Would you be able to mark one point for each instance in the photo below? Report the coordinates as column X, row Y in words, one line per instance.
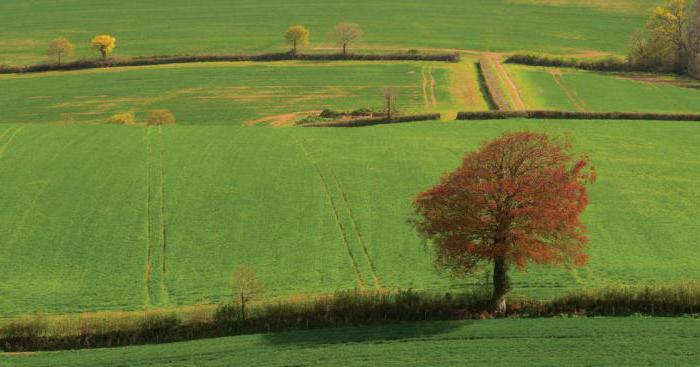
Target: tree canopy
column 517, row 200
column 297, row 36
column 105, row 44
column 346, row 34
column 60, row 49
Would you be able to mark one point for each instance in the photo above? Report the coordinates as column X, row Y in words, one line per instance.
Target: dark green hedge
column 495, row 115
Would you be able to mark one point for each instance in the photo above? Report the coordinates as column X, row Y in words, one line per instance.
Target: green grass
column 221, row 26
column 221, row 93
column 274, row 198
column 532, row 342
column 573, row 90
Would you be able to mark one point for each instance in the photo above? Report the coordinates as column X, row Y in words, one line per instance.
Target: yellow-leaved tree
column 297, row 36
column 60, row 50
column 668, row 27
column 105, row 44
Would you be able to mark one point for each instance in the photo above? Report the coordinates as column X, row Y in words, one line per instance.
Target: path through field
column 570, row 92
column 504, row 91
column 156, row 220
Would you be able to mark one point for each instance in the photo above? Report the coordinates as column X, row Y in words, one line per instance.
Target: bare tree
column 246, row 287
column 346, row 34
column 60, row 49
column 390, row 96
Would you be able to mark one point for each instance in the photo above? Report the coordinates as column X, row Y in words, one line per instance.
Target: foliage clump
column 122, row 119
column 105, row 44
column 161, row 117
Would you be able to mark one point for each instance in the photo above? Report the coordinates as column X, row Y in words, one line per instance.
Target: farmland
column 245, row 195
column 219, row 26
column 628, row 341
column 101, row 221
column 573, row 90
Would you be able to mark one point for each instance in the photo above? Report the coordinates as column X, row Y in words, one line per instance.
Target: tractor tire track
column 12, row 137
column 163, row 221
column 571, row 94
column 426, row 103
column 148, row 224
column 334, row 209
column 433, row 98
column 363, row 244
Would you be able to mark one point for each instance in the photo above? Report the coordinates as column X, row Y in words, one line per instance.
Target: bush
column 122, row 119
column 161, row 117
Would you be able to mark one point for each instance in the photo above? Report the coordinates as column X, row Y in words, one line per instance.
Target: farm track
column 503, row 89
column 12, row 136
column 571, row 94
column 156, row 225
column 336, row 214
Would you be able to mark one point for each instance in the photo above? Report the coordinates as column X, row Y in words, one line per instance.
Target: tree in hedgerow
column 60, row 50
column 346, row 34
column 391, row 94
column 297, row 36
column 246, row 287
column 516, row 200
column 105, row 44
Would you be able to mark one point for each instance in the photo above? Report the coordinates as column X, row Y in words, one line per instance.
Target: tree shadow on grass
column 361, row 334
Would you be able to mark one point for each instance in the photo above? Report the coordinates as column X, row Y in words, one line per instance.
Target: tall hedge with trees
column 517, row 200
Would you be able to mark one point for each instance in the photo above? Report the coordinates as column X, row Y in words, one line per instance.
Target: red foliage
column 518, row 198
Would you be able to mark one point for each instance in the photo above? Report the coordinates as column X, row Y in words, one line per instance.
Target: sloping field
column 574, row 90
column 234, row 93
column 538, row 342
column 312, row 210
column 160, row 27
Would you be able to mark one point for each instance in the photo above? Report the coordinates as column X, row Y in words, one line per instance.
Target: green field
column 219, row 26
column 313, row 210
column 548, row 342
column 572, row 90
column 232, row 93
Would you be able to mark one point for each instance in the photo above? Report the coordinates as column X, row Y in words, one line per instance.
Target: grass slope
column 226, row 93
column 532, row 342
column 572, row 90
column 312, row 210
column 221, row 26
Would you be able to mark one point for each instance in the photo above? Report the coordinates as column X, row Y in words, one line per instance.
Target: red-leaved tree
column 515, row 201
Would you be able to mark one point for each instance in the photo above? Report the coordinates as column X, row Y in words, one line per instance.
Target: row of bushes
column 374, row 121
column 161, row 60
column 350, row 309
column 607, row 64
column 495, row 115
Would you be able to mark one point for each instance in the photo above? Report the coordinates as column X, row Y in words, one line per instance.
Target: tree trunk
column 242, row 307
column 500, row 285
column 345, row 49
column 294, row 51
column 104, row 54
column 59, row 58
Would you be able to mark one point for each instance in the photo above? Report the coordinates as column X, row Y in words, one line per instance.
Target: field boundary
column 500, row 86
column 286, row 56
column 573, row 115
column 362, row 122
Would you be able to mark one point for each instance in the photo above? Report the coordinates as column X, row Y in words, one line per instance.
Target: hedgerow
column 494, row 115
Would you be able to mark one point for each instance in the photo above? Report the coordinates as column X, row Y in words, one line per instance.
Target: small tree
column 515, row 201
column 161, row 117
column 346, row 34
column 122, row 119
column 390, row 96
column 60, row 49
column 297, row 36
column 105, row 44
column 246, row 287
column 668, row 27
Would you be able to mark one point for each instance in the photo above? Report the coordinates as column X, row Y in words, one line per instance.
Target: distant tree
column 122, row 119
column 60, row 50
column 390, row 96
column 668, row 27
column 105, row 44
column 346, row 34
column 517, row 200
column 161, row 117
column 694, row 32
column 297, row 36
column 246, row 287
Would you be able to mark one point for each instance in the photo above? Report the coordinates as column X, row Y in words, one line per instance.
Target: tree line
column 343, row 34
column 670, row 40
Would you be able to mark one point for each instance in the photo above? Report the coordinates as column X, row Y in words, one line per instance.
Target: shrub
column 122, row 119
column 161, row 117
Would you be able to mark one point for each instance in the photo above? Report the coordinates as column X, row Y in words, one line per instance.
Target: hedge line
column 374, row 121
column 608, row 64
column 162, row 60
column 495, row 115
column 350, row 309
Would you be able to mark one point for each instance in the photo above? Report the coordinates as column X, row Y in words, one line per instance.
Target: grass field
column 235, row 93
column 573, row 90
column 313, row 210
column 544, row 342
column 220, row 26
